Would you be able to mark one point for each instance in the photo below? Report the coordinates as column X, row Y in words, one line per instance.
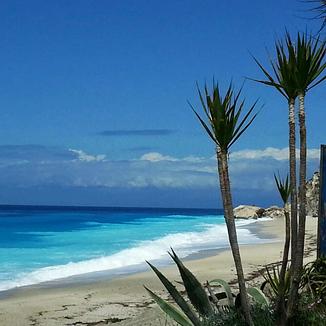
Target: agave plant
column 202, row 305
column 225, row 124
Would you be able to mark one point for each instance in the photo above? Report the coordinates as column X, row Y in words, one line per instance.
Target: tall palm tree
column 283, row 80
column 298, row 67
column 309, row 56
column 225, row 126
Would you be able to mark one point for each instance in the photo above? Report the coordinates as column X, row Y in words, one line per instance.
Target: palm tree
column 225, row 126
column 297, row 70
column 284, row 82
column 284, row 191
column 309, row 55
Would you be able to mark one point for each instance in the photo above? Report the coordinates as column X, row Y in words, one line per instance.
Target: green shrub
column 261, row 316
column 310, row 312
column 313, row 279
column 204, row 306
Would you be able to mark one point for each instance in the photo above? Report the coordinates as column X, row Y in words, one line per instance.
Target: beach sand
column 123, row 301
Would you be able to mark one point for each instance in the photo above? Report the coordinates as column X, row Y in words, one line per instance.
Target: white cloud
column 157, row 157
column 279, row 154
column 82, row 156
column 249, row 169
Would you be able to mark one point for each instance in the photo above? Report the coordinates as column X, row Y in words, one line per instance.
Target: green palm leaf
column 310, row 55
column 283, row 187
column 224, row 122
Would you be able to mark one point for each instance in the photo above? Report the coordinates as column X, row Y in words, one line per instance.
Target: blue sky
column 94, row 97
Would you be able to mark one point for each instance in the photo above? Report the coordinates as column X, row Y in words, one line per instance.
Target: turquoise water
column 39, row 244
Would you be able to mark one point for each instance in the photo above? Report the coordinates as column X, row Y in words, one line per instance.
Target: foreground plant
column 312, row 298
column 203, row 307
column 277, row 287
column 224, row 125
column 284, row 190
column 314, row 279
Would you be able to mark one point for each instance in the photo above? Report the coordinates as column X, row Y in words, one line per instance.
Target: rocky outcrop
column 254, row 212
column 274, row 212
column 312, row 187
column 248, row 212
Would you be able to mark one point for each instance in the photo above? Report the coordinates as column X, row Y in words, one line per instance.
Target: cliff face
column 313, row 195
column 248, row 212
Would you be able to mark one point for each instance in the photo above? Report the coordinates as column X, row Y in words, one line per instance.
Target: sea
column 46, row 244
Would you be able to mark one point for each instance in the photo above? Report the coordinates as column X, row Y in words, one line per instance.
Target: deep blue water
column 47, row 243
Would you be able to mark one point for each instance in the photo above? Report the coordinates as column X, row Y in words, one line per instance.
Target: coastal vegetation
column 215, row 304
column 284, row 190
column 205, row 306
column 298, row 66
column 225, row 126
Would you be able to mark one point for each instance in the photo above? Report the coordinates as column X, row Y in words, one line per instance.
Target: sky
column 94, row 98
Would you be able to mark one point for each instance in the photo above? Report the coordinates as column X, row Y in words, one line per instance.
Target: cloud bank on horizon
column 33, row 174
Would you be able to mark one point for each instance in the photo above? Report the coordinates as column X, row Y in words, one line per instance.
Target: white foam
column 215, row 236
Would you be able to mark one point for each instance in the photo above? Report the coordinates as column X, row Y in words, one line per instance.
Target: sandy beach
column 123, row 300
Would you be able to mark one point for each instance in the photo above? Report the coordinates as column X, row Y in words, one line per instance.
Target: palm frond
column 283, row 187
column 310, row 62
column 224, row 121
column 282, row 77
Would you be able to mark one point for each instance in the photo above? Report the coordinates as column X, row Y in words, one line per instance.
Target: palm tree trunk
column 302, row 211
column 223, row 172
column 286, row 245
column 293, row 180
column 280, row 305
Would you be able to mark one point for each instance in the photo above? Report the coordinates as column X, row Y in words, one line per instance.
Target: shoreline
column 254, row 227
column 122, row 299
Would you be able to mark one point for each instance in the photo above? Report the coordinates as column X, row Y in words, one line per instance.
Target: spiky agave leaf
column 283, row 187
column 226, row 288
column 196, row 293
column 224, row 125
column 170, row 310
column 258, row 296
column 178, row 298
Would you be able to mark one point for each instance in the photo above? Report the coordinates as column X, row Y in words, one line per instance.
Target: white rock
column 248, row 212
column 274, row 212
